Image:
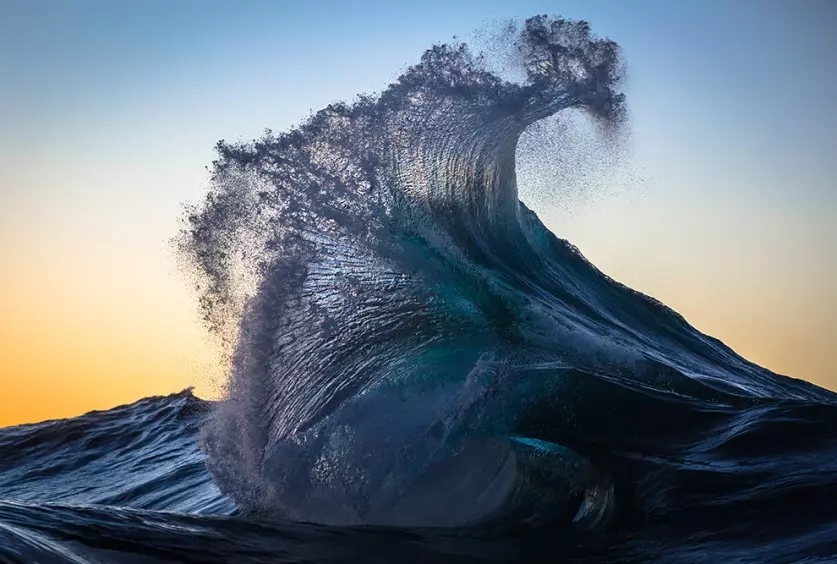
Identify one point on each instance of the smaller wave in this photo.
(143, 455)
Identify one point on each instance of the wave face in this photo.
(412, 348)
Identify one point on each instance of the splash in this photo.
(410, 345)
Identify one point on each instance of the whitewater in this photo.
(420, 370)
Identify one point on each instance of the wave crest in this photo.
(394, 309)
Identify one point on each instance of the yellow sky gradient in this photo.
(71, 344)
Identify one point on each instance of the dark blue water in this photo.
(421, 371)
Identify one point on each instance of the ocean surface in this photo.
(420, 371)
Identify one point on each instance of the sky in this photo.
(725, 207)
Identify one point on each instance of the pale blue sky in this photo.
(109, 111)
